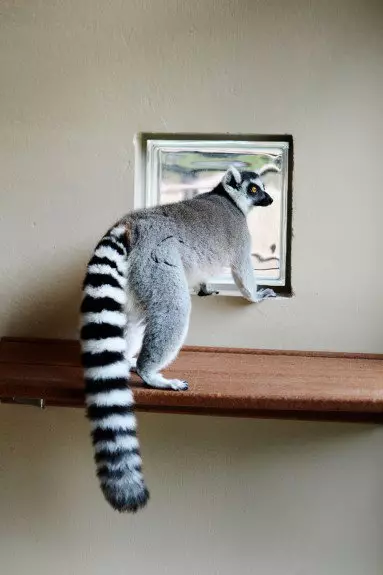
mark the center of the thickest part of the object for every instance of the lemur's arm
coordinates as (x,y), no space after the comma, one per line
(243,274)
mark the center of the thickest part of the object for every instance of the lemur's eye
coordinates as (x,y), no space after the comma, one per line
(254,190)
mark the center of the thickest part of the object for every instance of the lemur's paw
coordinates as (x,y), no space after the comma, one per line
(178,384)
(205,289)
(266,293)
(158,381)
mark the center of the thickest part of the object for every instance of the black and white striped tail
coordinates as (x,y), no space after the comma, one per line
(108,399)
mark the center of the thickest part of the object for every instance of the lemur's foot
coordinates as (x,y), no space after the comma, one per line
(158,381)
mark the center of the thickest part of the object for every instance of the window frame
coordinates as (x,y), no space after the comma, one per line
(147,194)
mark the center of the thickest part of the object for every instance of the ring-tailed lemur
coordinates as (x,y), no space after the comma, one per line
(136,298)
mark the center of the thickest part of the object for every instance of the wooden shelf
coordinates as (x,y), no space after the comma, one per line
(236,382)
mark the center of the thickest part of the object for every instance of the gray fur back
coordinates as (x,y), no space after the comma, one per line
(204,231)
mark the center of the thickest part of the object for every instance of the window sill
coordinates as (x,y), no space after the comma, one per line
(231,382)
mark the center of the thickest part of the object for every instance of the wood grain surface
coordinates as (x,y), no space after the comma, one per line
(252,383)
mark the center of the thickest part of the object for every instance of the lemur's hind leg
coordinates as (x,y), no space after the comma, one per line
(167,322)
(134,335)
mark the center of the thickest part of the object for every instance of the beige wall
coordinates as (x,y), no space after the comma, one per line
(78,79)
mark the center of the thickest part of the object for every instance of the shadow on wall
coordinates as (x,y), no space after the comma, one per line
(47,305)
(263,459)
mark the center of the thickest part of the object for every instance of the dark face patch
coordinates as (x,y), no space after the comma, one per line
(246,189)
(258,196)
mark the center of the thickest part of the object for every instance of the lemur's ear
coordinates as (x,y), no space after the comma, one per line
(232,177)
(267,168)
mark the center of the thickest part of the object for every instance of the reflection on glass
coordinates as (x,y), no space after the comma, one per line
(184,174)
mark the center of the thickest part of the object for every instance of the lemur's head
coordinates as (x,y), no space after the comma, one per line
(246,188)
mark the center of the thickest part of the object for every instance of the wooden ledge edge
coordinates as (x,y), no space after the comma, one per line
(214,349)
